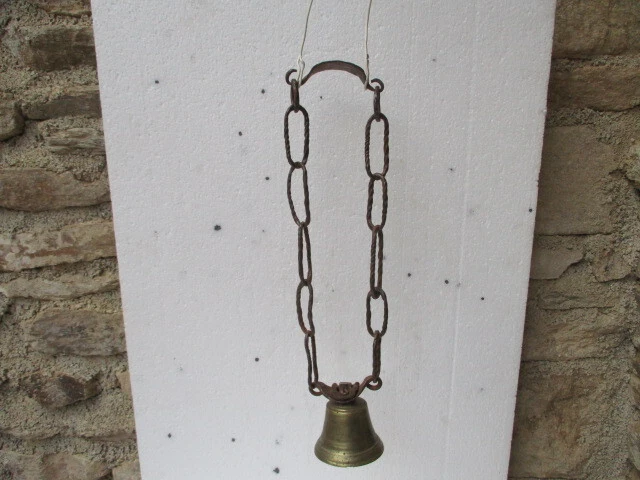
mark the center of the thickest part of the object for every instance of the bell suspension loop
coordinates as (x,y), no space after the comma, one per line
(348,438)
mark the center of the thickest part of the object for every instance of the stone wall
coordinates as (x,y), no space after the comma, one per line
(576,415)
(66,407)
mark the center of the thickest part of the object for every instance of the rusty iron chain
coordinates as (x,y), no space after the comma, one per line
(345,391)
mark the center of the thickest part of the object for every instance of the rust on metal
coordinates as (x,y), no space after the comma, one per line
(343,392)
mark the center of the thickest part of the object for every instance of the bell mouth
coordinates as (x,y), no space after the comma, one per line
(348,438)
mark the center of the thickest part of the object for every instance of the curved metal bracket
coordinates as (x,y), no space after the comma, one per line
(340,65)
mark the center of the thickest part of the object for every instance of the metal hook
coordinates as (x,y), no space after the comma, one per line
(338,65)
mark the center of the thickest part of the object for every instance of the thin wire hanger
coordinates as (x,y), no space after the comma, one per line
(300,61)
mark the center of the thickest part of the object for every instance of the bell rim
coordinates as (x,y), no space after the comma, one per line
(350,459)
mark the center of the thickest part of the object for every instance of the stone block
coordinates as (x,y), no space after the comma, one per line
(15,466)
(76,140)
(55,103)
(599,87)
(77,332)
(635,363)
(72,8)
(58,390)
(634,383)
(632,165)
(124,381)
(557,421)
(624,27)
(549,263)
(581,28)
(596,27)
(634,445)
(127,471)
(572,198)
(23,418)
(64,466)
(11,121)
(36,190)
(107,417)
(611,264)
(65,286)
(559,335)
(73,243)
(574,291)
(52,47)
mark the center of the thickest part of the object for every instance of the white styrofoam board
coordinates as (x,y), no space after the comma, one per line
(465,96)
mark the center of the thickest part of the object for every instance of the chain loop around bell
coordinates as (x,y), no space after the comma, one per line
(344,392)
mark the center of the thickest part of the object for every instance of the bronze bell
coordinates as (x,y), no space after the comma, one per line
(348,438)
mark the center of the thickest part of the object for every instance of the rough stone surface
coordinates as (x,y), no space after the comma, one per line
(15,466)
(596,27)
(634,447)
(72,8)
(11,121)
(635,391)
(55,103)
(554,418)
(572,196)
(53,47)
(549,263)
(63,466)
(56,253)
(611,265)
(77,332)
(581,28)
(105,418)
(65,286)
(574,291)
(76,140)
(553,335)
(35,190)
(73,243)
(60,389)
(632,165)
(127,471)
(601,87)
(124,381)
(59,466)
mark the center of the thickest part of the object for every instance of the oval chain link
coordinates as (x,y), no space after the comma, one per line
(345,391)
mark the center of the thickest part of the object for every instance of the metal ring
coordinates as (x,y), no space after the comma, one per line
(379,82)
(377,354)
(287,142)
(385,145)
(305,190)
(304,243)
(312,366)
(312,329)
(315,391)
(288,74)
(376,102)
(294,94)
(385,200)
(380,294)
(375,384)
(377,248)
